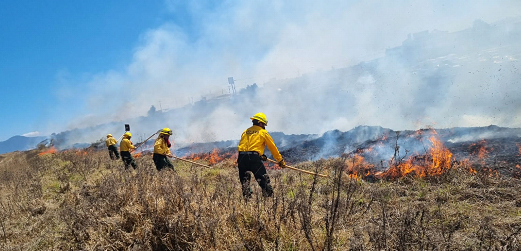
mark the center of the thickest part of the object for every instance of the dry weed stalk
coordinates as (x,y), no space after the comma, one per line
(89,202)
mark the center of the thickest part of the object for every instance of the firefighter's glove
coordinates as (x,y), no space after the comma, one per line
(263,157)
(282,164)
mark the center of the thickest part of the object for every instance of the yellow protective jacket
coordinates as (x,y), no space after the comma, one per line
(126,145)
(110,141)
(161,146)
(256,139)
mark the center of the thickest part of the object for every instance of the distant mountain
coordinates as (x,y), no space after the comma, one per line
(20,143)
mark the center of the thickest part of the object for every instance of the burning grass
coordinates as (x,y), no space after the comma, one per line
(214,157)
(50,150)
(70,201)
(437,161)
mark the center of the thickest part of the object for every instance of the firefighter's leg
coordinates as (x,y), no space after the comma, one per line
(115,150)
(264,180)
(126,158)
(244,177)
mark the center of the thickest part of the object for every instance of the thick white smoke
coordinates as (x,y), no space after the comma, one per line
(297,53)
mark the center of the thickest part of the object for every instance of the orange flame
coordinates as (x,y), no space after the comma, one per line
(479,149)
(51,150)
(81,153)
(491,173)
(437,162)
(213,157)
(441,157)
(358,168)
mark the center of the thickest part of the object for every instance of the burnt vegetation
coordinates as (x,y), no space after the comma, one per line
(83,200)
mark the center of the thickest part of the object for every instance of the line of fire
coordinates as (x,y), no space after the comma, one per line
(391,155)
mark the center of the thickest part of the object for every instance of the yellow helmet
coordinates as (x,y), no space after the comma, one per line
(109,135)
(166,131)
(260,117)
(128,135)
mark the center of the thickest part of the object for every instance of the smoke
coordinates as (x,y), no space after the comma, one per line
(305,56)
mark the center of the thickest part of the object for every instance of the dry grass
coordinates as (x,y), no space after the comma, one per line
(76,201)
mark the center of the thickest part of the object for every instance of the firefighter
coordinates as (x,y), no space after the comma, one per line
(251,154)
(111,145)
(125,147)
(162,150)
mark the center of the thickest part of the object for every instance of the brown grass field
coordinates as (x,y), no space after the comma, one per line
(76,200)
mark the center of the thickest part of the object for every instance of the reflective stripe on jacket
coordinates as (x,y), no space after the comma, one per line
(256,139)
(110,141)
(161,146)
(126,145)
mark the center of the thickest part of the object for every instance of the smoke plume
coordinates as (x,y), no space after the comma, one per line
(313,67)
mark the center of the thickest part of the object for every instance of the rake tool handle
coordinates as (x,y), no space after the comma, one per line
(140,144)
(193,162)
(120,137)
(297,169)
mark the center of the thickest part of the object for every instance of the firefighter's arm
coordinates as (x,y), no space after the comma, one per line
(271,146)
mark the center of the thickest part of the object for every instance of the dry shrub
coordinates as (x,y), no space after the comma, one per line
(70,201)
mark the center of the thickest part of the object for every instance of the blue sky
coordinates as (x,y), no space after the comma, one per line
(69,64)
(43,41)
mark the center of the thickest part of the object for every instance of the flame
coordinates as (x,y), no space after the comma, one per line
(436,162)
(272,166)
(479,149)
(357,167)
(81,153)
(490,172)
(51,150)
(441,157)
(213,157)
(354,176)
(403,169)
(138,155)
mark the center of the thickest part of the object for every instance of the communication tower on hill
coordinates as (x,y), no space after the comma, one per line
(232,84)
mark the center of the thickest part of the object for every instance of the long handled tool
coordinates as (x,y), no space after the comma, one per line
(120,137)
(300,170)
(140,144)
(127,128)
(193,162)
